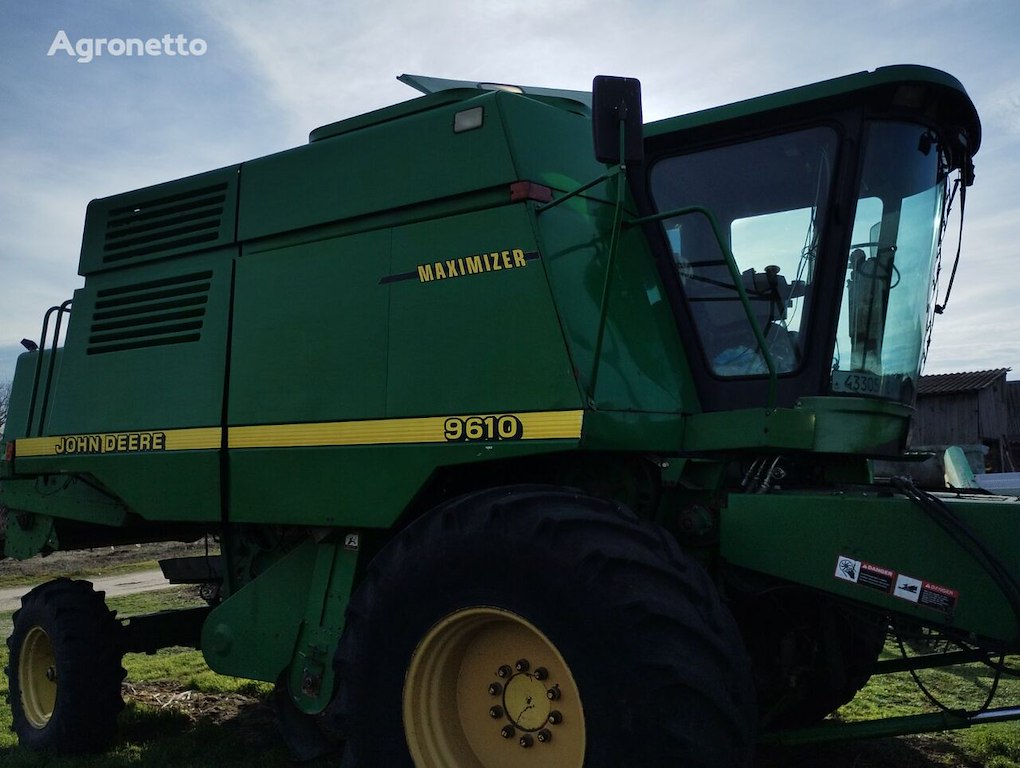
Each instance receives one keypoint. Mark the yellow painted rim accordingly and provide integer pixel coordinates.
(37, 676)
(487, 689)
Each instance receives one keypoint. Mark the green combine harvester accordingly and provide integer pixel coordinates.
(529, 435)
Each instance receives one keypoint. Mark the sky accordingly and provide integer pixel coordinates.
(260, 75)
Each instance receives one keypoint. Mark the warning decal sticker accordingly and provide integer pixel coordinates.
(865, 574)
(908, 588)
(938, 597)
(919, 591)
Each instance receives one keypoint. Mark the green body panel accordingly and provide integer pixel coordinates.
(253, 632)
(481, 342)
(20, 403)
(159, 222)
(292, 611)
(780, 429)
(394, 345)
(643, 366)
(153, 335)
(802, 536)
(308, 311)
(149, 484)
(325, 313)
(383, 166)
(31, 535)
(859, 426)
(65, 497)
(841, 425)
(634, 431)
(327, 486)
(841, 90)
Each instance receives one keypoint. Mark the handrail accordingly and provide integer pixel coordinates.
(65, 307)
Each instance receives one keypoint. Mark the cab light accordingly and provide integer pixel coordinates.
(468, 119)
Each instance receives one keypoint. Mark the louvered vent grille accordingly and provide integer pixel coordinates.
(151, 314)
(165, 224)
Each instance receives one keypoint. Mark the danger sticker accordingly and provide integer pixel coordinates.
(926, 593)
(938, 597)
(865, 574)
(908, 588)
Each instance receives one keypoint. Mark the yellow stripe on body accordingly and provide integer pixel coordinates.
(136, 441)
(382, 432)
(543, 425)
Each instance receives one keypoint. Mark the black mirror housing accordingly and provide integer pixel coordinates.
(616, 107)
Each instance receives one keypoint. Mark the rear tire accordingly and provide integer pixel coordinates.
(810, 656)
(469, 618)
(64, 669)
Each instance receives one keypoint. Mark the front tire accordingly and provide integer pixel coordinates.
(535, 627)
(64, 669)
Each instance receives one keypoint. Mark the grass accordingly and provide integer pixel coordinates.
(893, 695)
(180, 713)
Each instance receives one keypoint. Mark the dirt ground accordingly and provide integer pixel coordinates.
(96, 561)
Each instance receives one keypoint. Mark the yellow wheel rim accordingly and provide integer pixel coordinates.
(37, 676)
(487, 689)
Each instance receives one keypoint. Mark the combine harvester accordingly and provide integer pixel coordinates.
(530, 435)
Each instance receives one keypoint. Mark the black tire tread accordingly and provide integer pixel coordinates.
(678, 636)
(85, 638)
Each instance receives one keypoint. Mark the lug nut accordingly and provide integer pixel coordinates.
(496, 712)
(504, 671)
(553, 694)
(544, 735)
(522, 665)
(527, 741)
(541, 673)
(555, 717)
(507, 732)
(51, 674)
(495, 689)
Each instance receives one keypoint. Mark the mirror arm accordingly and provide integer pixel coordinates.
(614, 245)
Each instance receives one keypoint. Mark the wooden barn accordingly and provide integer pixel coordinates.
(971, 410)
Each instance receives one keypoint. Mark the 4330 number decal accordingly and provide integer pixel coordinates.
(482, 429)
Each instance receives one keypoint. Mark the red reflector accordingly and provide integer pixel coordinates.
(9, 453)
(529, 190)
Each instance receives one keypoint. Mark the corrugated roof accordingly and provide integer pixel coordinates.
(971, 381)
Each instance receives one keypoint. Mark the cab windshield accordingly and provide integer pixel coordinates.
(887, 301)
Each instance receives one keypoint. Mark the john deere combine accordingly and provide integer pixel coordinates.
(529, 435)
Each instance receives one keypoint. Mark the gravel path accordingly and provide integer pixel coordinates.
(122, 584)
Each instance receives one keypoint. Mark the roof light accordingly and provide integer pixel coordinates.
(501, 87)
(468, 119)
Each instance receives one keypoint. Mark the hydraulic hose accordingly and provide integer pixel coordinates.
(968, 541)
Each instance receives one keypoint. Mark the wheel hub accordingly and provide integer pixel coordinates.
(468, 704)
(526, 696)
(37, 677)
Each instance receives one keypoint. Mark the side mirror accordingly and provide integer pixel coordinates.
(616, 119)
